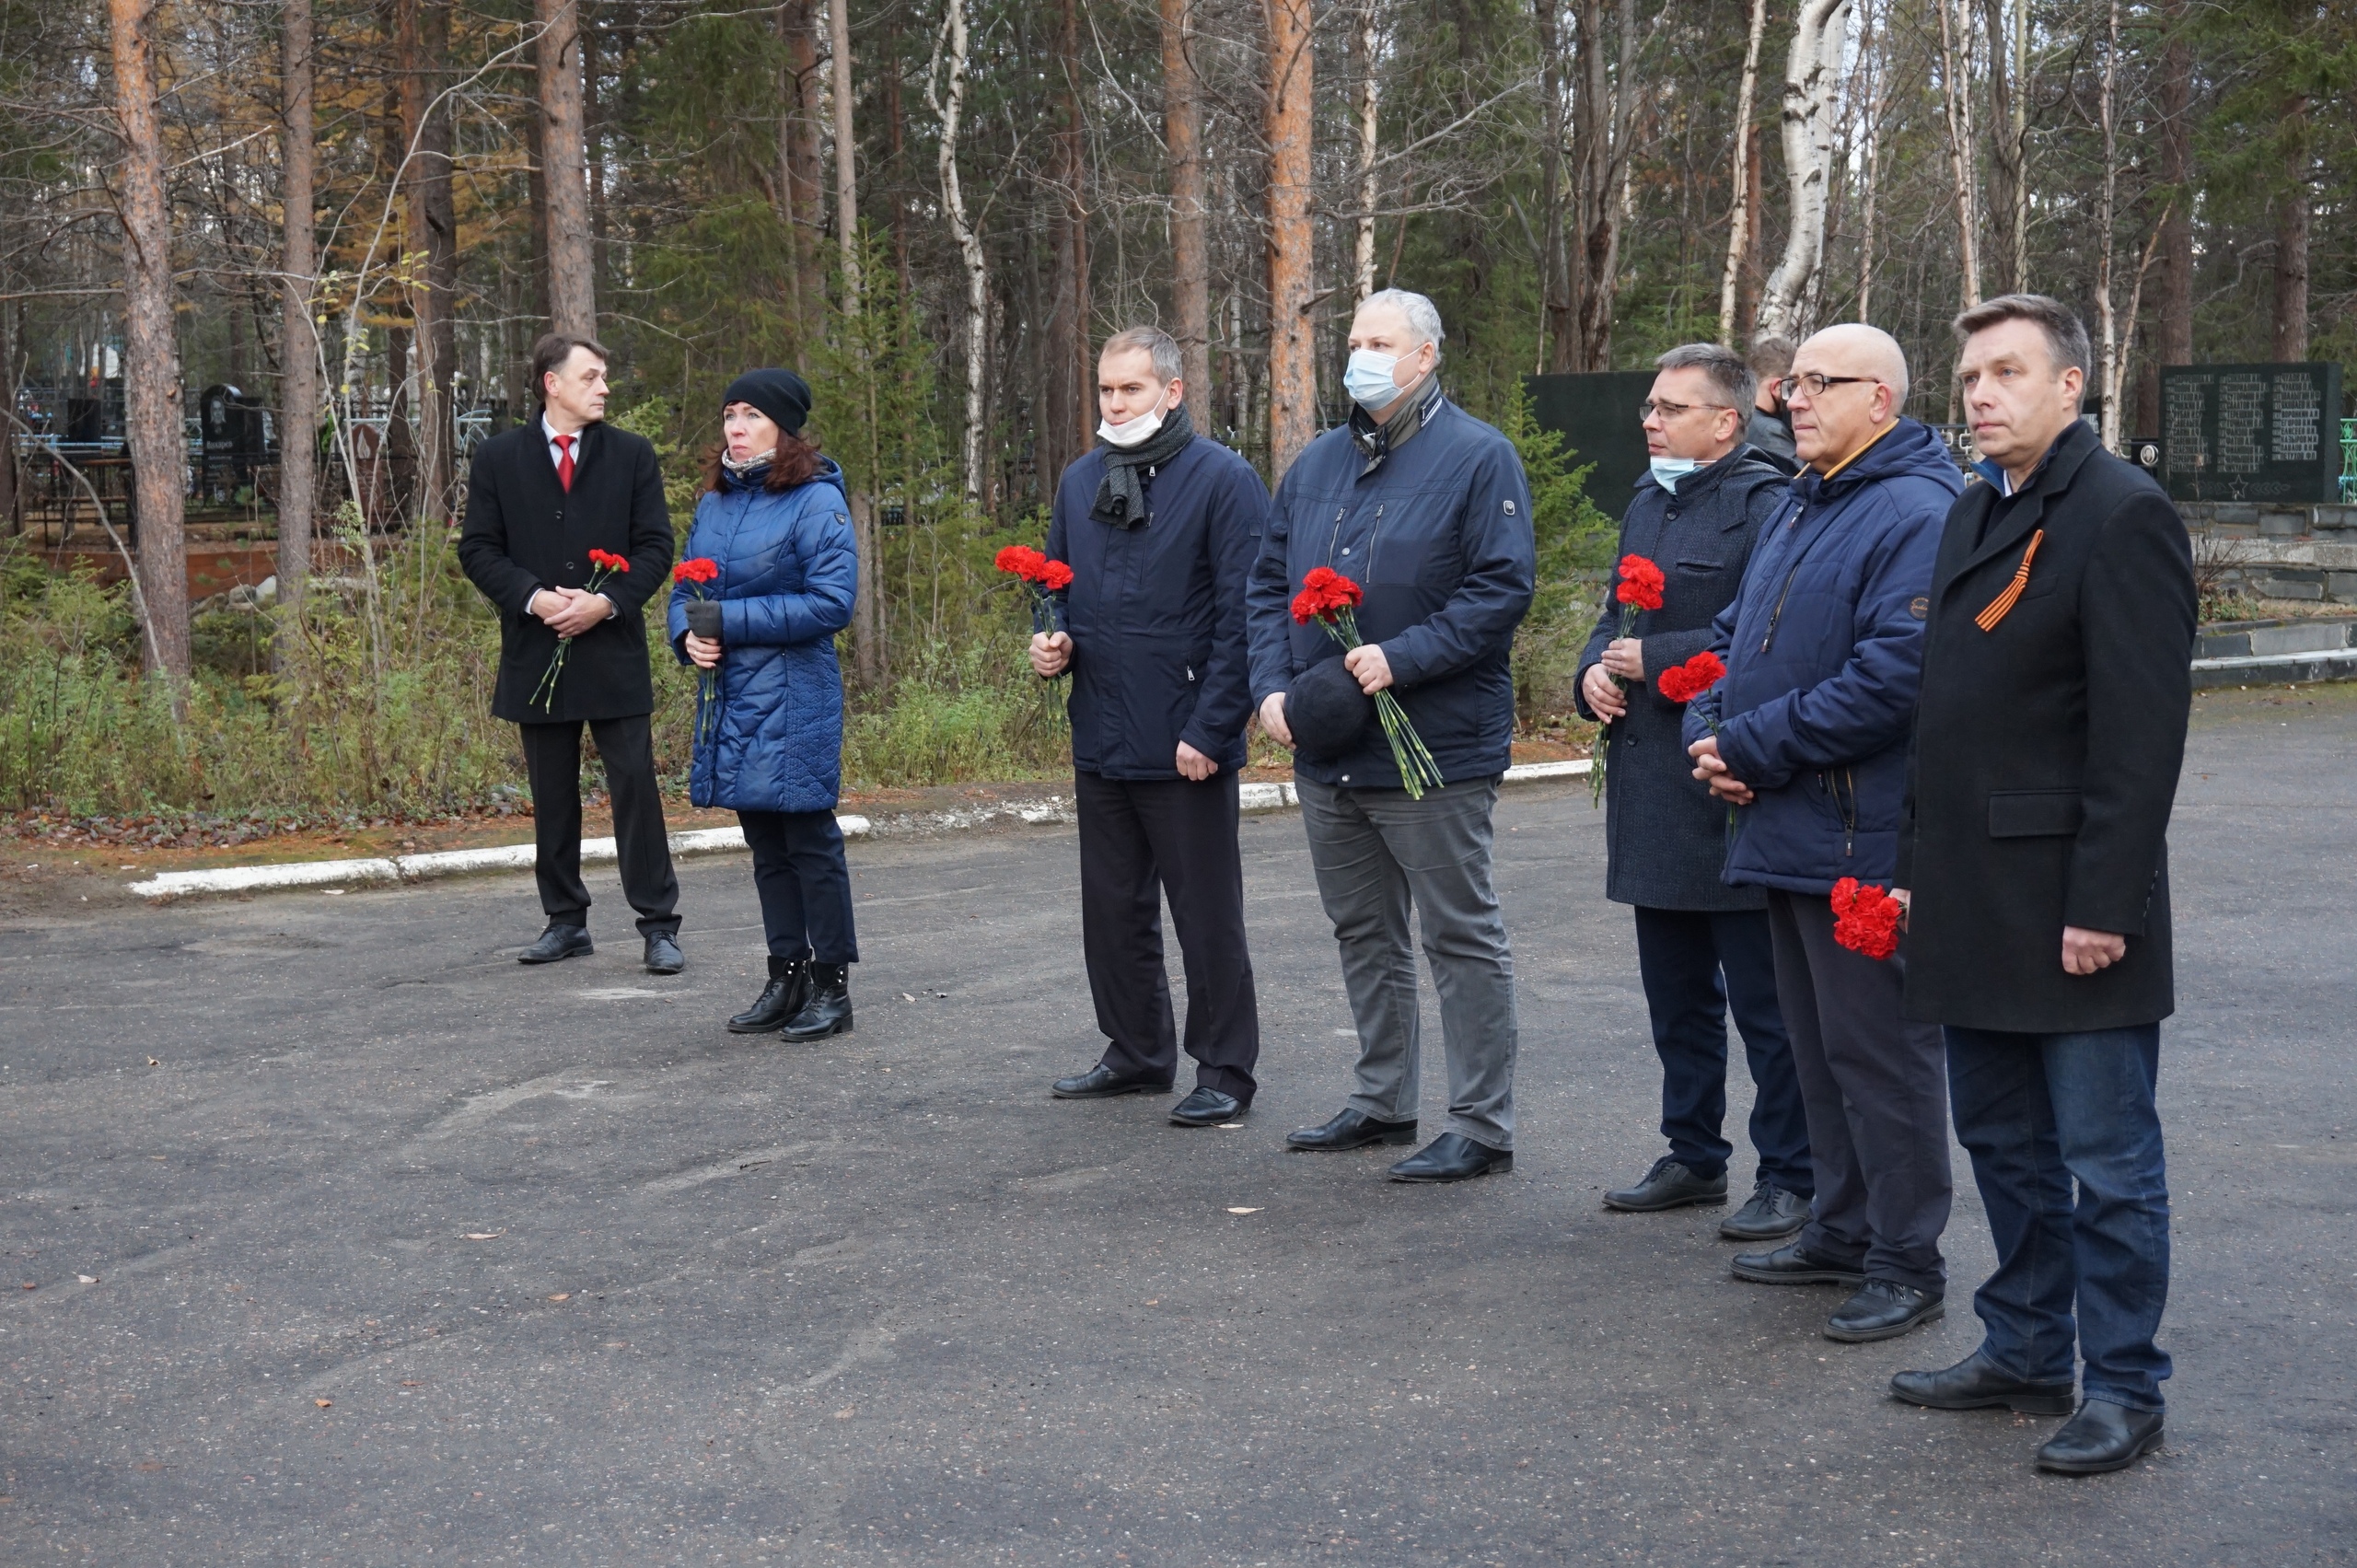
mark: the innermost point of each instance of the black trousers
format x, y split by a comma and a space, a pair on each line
552, 762
1698, 966
1138, 839
1876, 1089
805, 884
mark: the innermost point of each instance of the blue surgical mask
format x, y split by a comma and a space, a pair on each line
1668, 471
1368, 380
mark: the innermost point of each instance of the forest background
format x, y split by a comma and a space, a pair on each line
364, 212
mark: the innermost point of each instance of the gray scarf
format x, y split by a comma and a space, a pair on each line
1120, 499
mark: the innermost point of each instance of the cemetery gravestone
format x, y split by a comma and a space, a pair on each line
2251, 432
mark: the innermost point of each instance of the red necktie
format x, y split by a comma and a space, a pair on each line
563, 462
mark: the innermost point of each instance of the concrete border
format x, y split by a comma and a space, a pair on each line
2276, 669
1256, 797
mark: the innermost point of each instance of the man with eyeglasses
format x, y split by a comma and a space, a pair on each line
1702, 947
1807, 738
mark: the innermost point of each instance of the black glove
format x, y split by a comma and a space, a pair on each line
703, 619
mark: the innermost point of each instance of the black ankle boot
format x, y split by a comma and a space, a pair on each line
789, 989
828, 1011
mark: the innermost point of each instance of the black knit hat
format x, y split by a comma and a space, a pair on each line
1326, 712
780, 394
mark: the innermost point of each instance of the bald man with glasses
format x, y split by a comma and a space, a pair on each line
1806, 739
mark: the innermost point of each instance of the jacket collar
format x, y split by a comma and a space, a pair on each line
2020, 514
1376, 442
590, 440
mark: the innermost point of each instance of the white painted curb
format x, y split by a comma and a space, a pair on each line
1254, 797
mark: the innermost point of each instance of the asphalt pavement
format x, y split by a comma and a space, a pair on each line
333, 1235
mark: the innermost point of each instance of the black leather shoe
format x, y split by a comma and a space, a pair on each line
1453, 1157
789, 989
1100, 1082
1882, 1309
827, 1010
1976, 1383
1671, 1184
663, 955
1793, 1264
2102, 1436
1773, 1215
1207, 1107
1349, 1129
558, 942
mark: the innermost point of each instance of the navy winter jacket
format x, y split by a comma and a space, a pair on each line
1156, 612
788, 570
1439, 538
1824, 649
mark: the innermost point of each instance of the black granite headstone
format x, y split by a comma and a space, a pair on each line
1597, 415
2251, 432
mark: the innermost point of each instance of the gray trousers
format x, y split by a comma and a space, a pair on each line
1875, 1089
1376, 851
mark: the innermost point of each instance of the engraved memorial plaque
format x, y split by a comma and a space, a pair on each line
2251, 432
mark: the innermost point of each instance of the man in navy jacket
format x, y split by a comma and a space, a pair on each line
1428, 510
1807, 737
1159, 526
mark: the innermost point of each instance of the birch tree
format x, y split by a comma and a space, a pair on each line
1740, 220
948, 105
1955, 96
1370, 126
1812, 77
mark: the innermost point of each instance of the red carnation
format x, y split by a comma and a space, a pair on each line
1641, 584
697, 569
1684, 682
1042, 578
1022, 560
609, 560
1325, 594
1054, 576
1866, 919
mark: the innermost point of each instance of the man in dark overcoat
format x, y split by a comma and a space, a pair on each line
1160, 525
2057, 680
540, 499
1702, 947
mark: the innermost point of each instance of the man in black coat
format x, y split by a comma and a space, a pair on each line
1159, 524
1702, 945
540, 500
2056, 685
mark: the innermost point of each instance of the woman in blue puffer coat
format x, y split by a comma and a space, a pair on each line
769, 729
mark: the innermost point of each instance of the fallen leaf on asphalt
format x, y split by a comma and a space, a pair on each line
153, 1062
1243, 1210
485, 1235
906, 997
562, 1296
29, 1285
413, 1383
87, 1279
1230, 1126
843, 1414
1156, 1302
324, 1404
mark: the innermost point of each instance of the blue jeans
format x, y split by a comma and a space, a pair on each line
2035, 1112
1682, 955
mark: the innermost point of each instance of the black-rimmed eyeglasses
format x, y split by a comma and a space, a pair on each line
1650, 407
1815, 385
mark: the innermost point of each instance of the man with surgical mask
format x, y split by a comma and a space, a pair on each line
1160, 526
1703, 948
1428, 511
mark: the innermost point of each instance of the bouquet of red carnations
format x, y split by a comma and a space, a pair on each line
1331, 600
604, 565
1640, 588
1681, 683
1866, 919
696, 571
1044, 578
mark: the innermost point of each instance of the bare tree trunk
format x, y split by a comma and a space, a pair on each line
948, 106
868, 608
1183, 134
803, 181
1956, 90
2005, 174
1740, 220
572, 256
2173, 317
1363, 42
2292, 225
1877, 93
1068, 405
2106, 219
151, 371
1557, 331
1293, 370
1812, 76
10, 521
593, 137
1603, 111
421, 39
298, 351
